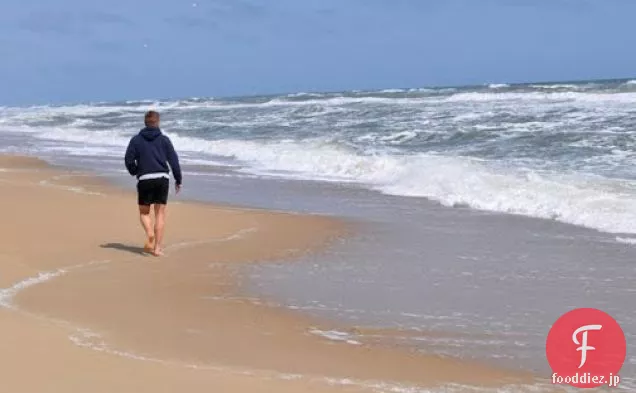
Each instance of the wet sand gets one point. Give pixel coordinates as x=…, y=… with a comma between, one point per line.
x=84, y=309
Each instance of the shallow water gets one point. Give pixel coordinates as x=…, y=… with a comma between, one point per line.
x=477, y=285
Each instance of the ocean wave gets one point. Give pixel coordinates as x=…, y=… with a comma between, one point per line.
x=81, y=135
x=392, y=91
x=557, y=86
x=498, y=86
x=305, y=95
x=626, y=240
x=593, y=202
x=399, y=137
x=187, y=105
x=335, y=335
x=548, y=96
x=422, y=98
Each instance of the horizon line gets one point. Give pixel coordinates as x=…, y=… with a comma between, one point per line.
x=279, y=94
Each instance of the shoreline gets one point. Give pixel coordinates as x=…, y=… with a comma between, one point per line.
x=161, y=310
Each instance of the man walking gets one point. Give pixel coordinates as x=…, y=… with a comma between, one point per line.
x=147, y=157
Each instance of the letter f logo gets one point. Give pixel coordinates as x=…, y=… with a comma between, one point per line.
x=583, y=345
x=569, y=343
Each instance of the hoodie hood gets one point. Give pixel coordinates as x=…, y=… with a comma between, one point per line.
x=150, y=133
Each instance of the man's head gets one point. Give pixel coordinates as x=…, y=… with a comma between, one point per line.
x=151, y=119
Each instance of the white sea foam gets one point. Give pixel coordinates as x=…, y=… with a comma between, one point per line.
x=626, y=240
x=90, y=340
x=71, y=134
x=335, y=335
x=556, y=86
x=79, y=190
x=592, y=202
x=18, y=119
x=80, y=114
x=235, y=236
x=86, y=338
x=303, y=94
x=7, y=294
x=498, y=86
x=384, y=387
x=548, y=96
x=399, y=137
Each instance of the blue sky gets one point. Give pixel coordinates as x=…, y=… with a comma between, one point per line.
x=72, y=50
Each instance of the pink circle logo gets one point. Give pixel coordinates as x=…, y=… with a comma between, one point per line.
x=586, y=348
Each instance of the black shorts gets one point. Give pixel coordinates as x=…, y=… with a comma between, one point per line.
x=153, y=191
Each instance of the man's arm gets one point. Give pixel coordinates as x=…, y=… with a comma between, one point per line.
x=130, y=159
x=173, y=160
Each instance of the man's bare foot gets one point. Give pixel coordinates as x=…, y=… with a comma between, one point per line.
x=150, y=244
x=157, y=252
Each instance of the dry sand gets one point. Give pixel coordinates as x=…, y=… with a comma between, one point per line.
x=108, y=318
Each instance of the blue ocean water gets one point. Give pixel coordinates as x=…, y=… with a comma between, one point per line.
x=560, y=151
x=451, y=181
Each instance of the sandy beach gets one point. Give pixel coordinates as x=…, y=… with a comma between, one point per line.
x=84, y=309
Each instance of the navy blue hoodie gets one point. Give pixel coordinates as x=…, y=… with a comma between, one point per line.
x=151, y=151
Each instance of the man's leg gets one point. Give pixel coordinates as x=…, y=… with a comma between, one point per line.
x=160, y=222
x=144, y=200
x=146, y=223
